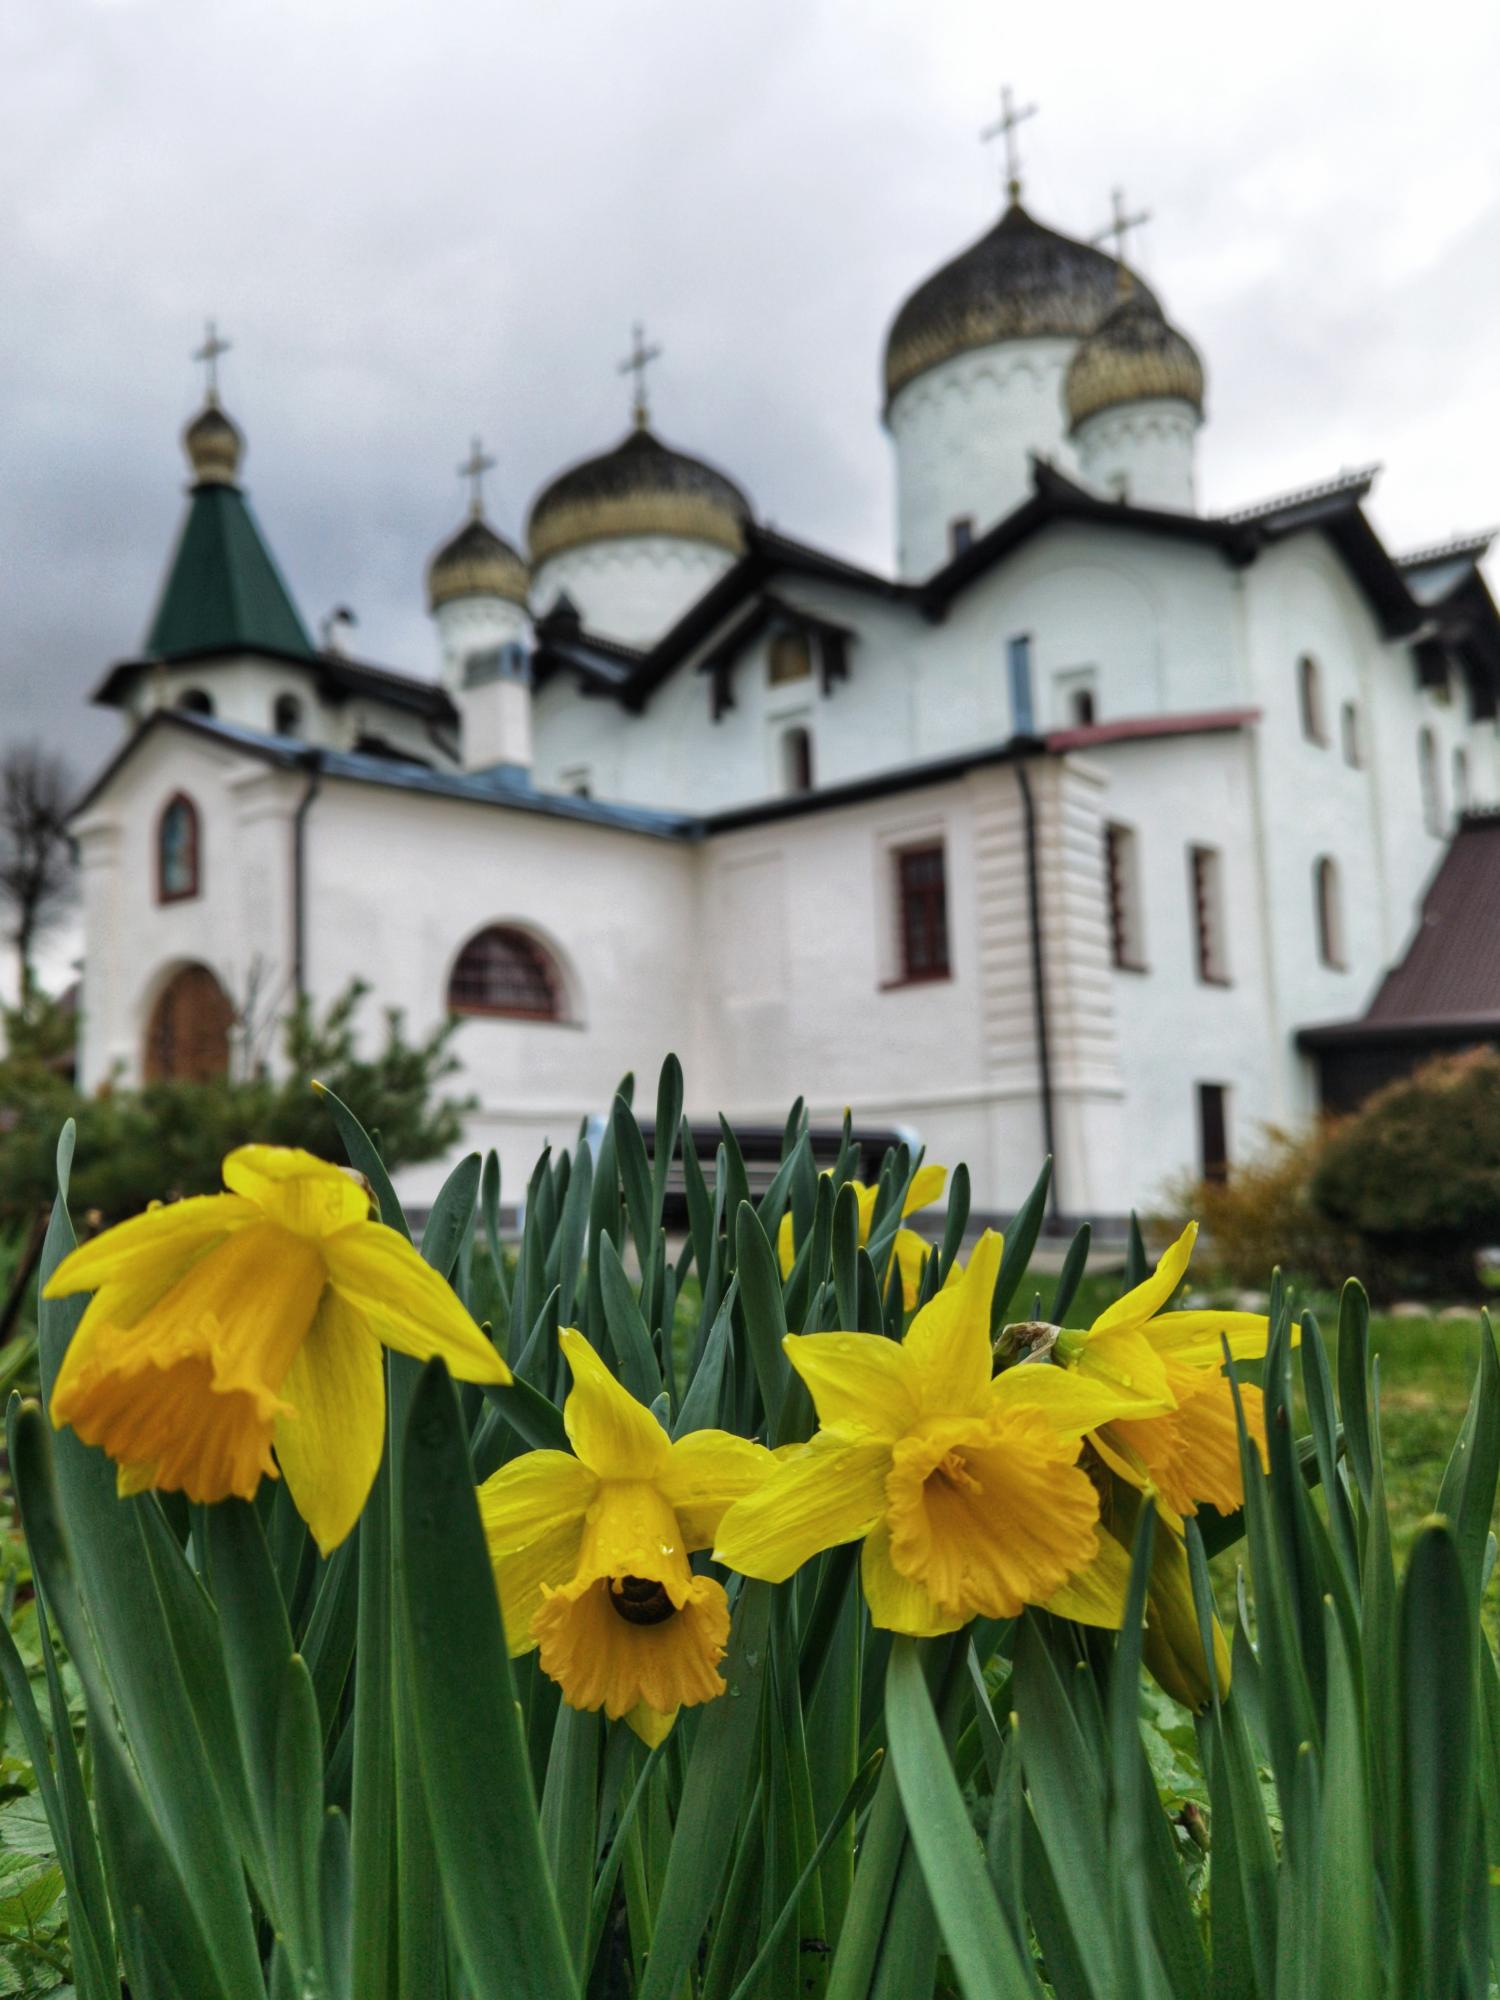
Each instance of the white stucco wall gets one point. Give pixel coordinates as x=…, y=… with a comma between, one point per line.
x=630, y=587
x=475, y=624
x=1143, y=452
x=962, y=433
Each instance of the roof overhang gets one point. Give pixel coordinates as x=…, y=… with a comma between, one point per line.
x=338, y=679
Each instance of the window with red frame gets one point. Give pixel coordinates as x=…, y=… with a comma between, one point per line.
x=503, y=971
x=179, y=850
x=922, y=883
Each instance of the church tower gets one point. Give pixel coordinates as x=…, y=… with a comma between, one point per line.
x=633, y=537
x=974, y=368
x=1134, y=395
x=477, y=588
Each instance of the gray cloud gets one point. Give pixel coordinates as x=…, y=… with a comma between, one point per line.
x=420, y=220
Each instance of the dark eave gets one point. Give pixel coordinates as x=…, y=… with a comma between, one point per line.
x=337, y=679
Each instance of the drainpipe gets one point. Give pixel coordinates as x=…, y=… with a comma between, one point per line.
x=1039, y=981
x=311, y=761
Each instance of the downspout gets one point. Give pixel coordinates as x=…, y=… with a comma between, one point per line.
x=312, y=762
x=1039, y=982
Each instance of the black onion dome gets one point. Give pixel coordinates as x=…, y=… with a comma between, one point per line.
x=1133, y=354
x=476, y=562
x=642, y=487
x=1021, y=280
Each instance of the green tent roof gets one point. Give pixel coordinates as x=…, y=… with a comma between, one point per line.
x=224, y=591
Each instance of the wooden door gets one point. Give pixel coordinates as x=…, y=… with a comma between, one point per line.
x=188, y=1036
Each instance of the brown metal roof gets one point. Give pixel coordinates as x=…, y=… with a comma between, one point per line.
x=1452, y=968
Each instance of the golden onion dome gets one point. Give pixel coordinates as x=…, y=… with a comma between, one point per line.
x=1134, y=355
x=1020, y=281
x=641, y=487
x=476, y=562
x=214, y=445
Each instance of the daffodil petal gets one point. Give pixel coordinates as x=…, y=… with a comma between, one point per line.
x=898, y=1603
x=786, y=1248
x=1071, y=1402
x=927, y=1184
x=309, y=1196
x=1124, y=1359
x=1197, y=1338
x=409, y=1307
x=1095, y=1595
x=650, y=1724
x=832, y=1491
x=861, y=1379
x=328, y=1443
x=1150, y=1296
x=948, y=1343
x=614, y=1435
x=161, y=1243
x=706, y=1472
x=533, y=1511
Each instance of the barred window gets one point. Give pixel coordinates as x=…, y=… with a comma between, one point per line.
x=503, y=971
x=1123, y=885
x=1205, y=871
x=922, y=882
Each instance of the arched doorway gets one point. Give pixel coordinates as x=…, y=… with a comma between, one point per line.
x=187, y=1037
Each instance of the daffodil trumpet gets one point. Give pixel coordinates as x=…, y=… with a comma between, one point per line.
x=590, y=1551
x=963, y=1487
x=234, y=1336
x=909, y=1251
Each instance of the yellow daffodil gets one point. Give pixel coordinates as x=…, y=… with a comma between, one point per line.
x=590, y=1550
x=964, y=1488
x=227, y=1325
x=910, y=1251
x=1180, y=1440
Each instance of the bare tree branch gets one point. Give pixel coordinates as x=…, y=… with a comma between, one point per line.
x=36, y=856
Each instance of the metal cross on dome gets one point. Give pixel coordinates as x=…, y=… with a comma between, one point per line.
x=1005, y=126
x=209, y=354
x=636, y=363
x=1122, y=224
x=474, y=467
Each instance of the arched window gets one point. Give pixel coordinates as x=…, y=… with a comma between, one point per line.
x=1310, y=699
x=286, y=716
x=179, y=850
x=1330, y=913
x=797, y=760
x=506, y=972
x=1354, y=755
x=195, y=701
x=1460, y=779
x=1427, y=773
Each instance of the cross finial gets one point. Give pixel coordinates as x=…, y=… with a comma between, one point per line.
x=209, y=354
x=636, y=363
x=474, y=467
x=1122, y=224
x=1005, y=127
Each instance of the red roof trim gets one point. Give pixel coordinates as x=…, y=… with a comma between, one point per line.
x=1143, y=728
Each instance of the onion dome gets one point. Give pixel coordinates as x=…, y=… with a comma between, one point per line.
x=1133, y=355
x=476, y=562
x=642, y=487
x=1020, y=281
x=214, y=446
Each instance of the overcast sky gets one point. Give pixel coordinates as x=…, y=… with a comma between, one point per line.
x=416, y=221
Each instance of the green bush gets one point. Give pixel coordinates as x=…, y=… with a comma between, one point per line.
x=1415, y=1175
x=169, y=1139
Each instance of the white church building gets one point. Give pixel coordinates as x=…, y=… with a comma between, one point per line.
x=1056, y=835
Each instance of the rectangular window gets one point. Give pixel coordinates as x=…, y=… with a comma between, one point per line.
x=791, y=658
x=1123, y=885
x=1213, y=1131
x=961, y=534
x=1022, y=709
x=922, y=892
x=1206, y=875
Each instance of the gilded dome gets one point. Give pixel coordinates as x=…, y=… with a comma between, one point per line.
x=1020, y=281
x=476, y=562
x=1133, y=355
x=641, y=487
x=214, y=446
